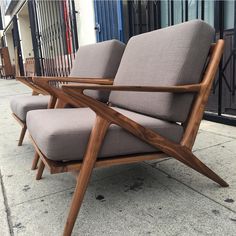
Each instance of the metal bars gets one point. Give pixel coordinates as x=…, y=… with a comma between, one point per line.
x=141, y=19
x=54, y=36
x=144, y=16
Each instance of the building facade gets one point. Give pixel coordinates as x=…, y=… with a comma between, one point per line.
x=48, y=33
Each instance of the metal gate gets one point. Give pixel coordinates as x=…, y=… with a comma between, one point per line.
x=144, y=16
x=109, y=20
x=54, y=36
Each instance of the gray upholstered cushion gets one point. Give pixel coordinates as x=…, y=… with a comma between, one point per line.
x=100, y=60
x=171, y=56
x=20, y=105
x=64, y=134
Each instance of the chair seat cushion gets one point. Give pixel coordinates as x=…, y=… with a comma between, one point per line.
x=20, y=105
x=64, y=134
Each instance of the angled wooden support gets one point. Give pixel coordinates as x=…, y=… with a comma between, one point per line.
x=95, y=142
x=40, y=170
x=35, y=161
x=22, y=135
x=23, y=129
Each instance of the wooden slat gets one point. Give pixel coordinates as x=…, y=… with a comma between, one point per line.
x=172, y=89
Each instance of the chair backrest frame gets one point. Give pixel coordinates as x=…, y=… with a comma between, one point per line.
x=194, y=118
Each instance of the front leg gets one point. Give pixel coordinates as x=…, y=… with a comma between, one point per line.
x=95, y=141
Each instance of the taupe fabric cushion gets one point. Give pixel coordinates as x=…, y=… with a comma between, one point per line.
x=100, y=60
x=171, y=56
x=64, y=134
x=20, y=105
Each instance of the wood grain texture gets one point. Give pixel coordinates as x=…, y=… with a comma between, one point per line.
x=95, y=141
x=22, y=135
x=48, y=84
x=105, y=81
x=191, y=88
x=200, y=102
x=35, y=161
x=40, y=170
x=23, y=129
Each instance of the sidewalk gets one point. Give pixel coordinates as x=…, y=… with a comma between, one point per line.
x=157, y=198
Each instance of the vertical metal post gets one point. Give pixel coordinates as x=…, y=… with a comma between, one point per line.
x=52, y=45
x=158, y=4
x=186, y=10
x=62, y=34
x=148, y=16
x=131, y=18
x=202, y=9
x=34, y=36
x=172, y=12
x=1, y=24
x=234, y=51
x=221, y=31
x=120, y=20
x=75, y=32
x=157, y=14
x=197, y=11
x=139, y=16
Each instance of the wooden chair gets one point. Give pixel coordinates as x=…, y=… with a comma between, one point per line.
x=152, y=131
x=103, y=57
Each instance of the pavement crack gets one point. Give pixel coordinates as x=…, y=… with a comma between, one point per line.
x=193, y=189
x=43, y=196
x=214, y=145
x=7, y=208
x=219, y=134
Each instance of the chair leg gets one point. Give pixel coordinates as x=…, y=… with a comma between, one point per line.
x=95, y=141
x=188, y=158
x=35, y=161
x=22, y=135
x=40, y=170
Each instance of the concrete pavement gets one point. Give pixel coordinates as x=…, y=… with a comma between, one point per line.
x=154, y=198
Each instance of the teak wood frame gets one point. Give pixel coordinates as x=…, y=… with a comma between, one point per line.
x=105, y=116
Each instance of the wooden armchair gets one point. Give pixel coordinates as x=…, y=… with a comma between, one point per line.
x=148, y=117
x=103, y=57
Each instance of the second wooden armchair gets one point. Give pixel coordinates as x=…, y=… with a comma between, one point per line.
x=100, y=60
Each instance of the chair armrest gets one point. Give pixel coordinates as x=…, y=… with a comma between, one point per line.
x=29, y=82
x=190, y=88
x=104, y=81
x=51, y=84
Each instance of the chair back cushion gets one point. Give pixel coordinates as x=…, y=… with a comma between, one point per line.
x=100, y=60
x=171, y=56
